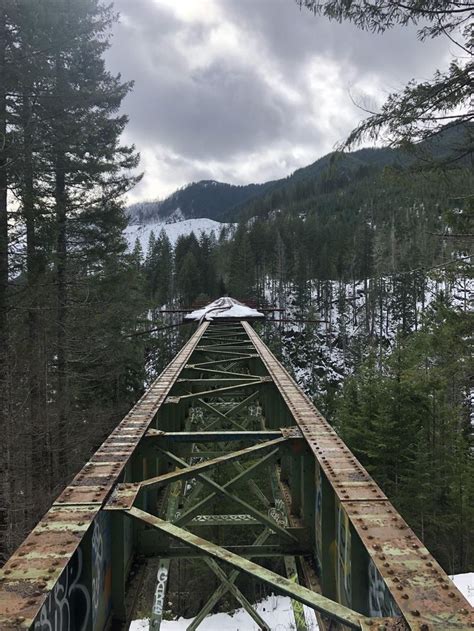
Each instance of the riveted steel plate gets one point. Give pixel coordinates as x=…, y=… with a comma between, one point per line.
x=123, y=497
x=291, y=432
x=83, y=495
x=418, y=584
x=28, y=576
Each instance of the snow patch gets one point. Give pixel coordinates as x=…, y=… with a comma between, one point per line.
x=275, y=610
x=173, y=230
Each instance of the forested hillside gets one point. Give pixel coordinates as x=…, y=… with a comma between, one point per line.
x=214, y=200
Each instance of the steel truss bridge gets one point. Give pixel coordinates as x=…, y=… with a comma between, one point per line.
x=154, y=489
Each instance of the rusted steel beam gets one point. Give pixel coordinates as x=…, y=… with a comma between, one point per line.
x=212, y=437
x=423, y=592
x=192, y=471
x=217, y=391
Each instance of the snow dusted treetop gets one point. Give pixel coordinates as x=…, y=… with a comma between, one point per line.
x=225, y=307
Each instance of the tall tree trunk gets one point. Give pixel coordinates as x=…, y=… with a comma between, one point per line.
x=61, y=279
x=41, y=480
x=61, y=253
x=4, y=332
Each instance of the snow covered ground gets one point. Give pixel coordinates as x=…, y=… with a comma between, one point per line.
x=319, y=356
x=173, y=230
x=277, y=613
x=275, y=610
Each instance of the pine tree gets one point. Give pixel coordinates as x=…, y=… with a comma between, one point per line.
x=5, y=497
x=89, y=168
x=188, y=280
x=165, y=268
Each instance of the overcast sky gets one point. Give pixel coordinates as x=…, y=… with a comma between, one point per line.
x=249, y=90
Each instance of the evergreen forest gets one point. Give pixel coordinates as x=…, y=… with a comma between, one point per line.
x=367, y=255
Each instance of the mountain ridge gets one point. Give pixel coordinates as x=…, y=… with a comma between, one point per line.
x=221, y=201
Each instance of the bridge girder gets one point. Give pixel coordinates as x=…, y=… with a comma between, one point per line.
x=324, y=511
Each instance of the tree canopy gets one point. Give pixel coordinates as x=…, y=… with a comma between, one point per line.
x=422, y=109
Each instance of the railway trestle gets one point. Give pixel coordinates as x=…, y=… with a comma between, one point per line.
x=226, y=461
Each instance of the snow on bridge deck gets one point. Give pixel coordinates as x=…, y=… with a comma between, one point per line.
x=224, y=308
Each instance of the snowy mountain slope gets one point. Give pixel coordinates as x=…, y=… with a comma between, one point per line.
x=173, y=230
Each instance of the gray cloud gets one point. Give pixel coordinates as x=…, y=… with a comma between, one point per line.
x=248, y=90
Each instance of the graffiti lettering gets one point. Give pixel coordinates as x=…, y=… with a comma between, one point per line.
x=101, y=570
x=380, y=600
x=68, y=606
x=344, y=573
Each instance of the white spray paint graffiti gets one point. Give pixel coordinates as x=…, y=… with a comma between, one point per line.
x=344, y=568
x=380, y=600
x=97, y=558
x=101, y=559
x=223, y=519
x=161, y=581
x=68, y=606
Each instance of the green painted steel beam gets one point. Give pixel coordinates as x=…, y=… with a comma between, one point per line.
x=213, y=409
x=164, y=565
x=229, y=390
x=220, y=415
x=224, y=351
x=242, y=477
x=225, y=348
x=213, y=437
x=222, y=589
x=224, y=520
x=219, y=362
x=217, y=381
x=282, y=585
x=253, y=486
x=236, y=593
x=191, y=471
x=151, y=544
x=220, y=371
x=239, y=406
x=220, y=490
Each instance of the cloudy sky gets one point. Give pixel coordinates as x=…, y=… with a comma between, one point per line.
x=249, y=90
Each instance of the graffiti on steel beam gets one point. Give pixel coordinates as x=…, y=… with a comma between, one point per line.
x=380, y=600
x=101, y=570
x=318, y=514
x=203, y=519
x=68, y=606
x=344, y=569
x=160, y=592
x=278, y=513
